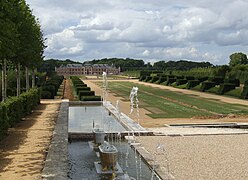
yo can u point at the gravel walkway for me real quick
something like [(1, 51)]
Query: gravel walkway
[(202, 157), (23, 151)]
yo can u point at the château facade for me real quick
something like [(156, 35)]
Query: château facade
[(87, 69)]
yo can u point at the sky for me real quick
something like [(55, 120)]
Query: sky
[(152, 30)]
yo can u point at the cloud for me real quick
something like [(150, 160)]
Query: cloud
[(175, 29)]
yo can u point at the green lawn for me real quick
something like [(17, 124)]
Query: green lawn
[(167, 104)]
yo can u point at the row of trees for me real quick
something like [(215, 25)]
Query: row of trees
[(21, 42)]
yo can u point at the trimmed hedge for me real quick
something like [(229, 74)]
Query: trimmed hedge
[(181, 82), (161, 80), (50, 87), (170, 81), (244, 93), (192, 83), (90, 98), (82, 89), (206, 85), (86, 93), (154, 79), (148, 78), (15, 108), (217, 80), (179, 77), (189, 78), (225, 88), (201, 79), (142, 78), (233, 81)]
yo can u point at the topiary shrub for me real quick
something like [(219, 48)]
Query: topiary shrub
[(90, 98), (216, 79), (86, 93), (4, 125), (244, 93), (206, 85), (189, 77), (179, 77), (51, 89), (181, 82), (233, 81), (225, 88), (142, 78), (201, 79), (192, 83), (170, 81), (235, 92), (161, 80), (15, 108), (154, 79), (148, 78), (82, 89), (46, 94)]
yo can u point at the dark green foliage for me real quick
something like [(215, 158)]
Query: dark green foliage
[(181, 82), (201, 79), (3, 120), (46, 94), (80, 85), (214, 90), (161, 80), (189, 78), (90, 98), (154, 79), (170, 81), (225, 88), (180, 65), (207, 85), (192, 83), (48, 88), (145, 73), (246, 83), (15, 108), (82, 89), (235, 92), (86, 93), (142, 78), (233, 81), (238, 59), (52, 86), (217, 80), (244, 93), (148, 78), (179, 77)]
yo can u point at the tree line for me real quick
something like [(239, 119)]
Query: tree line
[(21, 42)]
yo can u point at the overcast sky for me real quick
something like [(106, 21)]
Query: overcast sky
[(151, 30)]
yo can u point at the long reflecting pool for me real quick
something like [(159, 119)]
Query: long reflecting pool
[(82, 118)]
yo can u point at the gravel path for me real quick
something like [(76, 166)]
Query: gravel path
[(68, 93), (202, 157), (23, 151)]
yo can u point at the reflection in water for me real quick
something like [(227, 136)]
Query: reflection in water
[(82, 118)]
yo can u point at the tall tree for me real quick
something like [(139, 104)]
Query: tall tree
[(8, 38), (238, 59)]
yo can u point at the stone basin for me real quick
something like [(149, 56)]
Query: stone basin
[(108, 156), (98, 136)]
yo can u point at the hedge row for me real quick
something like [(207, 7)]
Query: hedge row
[(15, 108), (50, 87), (83, 92), (219, 84)]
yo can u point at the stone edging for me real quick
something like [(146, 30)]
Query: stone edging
[(56, 164)]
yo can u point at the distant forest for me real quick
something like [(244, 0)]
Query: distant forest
[(128, 64)]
